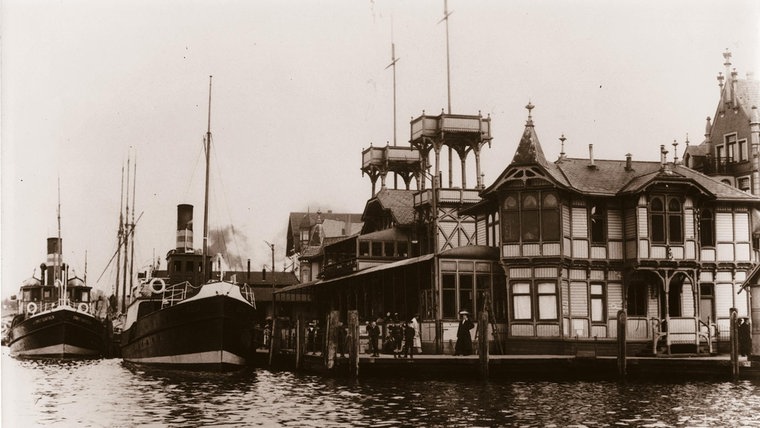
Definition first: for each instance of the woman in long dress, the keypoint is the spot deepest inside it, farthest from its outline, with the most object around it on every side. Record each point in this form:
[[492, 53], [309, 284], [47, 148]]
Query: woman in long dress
[[464, 340]]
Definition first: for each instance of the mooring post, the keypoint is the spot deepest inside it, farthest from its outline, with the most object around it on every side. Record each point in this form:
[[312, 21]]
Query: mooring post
[[300, 342], [332, 339], [354, 345], [274, 340], [622, 332], [483, 343], [439, 337], [734, 339]]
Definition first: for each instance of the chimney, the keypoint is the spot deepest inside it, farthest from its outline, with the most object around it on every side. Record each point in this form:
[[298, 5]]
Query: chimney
[[264, 273], [185, 227], [54, 251], [734, 102], [628, 163], [248, 273], [663, 155], [591, 156], [708, 128]]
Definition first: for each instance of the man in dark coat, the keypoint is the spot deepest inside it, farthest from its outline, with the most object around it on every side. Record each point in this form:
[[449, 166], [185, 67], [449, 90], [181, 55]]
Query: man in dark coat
[[408, 340], [464, 340], [373, 331], [745, 337]]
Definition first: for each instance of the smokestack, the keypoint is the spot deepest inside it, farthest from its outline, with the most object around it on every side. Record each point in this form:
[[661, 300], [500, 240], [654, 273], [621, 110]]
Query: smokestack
[[54, 251], [42, 273], [628, 163], [591, 156], [185, 227], [248, 273]]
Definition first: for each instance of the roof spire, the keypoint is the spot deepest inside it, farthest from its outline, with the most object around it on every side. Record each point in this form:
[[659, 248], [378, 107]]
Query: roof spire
[[530, 108], [562, 147]]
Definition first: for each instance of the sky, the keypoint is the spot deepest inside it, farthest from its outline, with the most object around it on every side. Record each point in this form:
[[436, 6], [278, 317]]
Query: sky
[[301, 88]]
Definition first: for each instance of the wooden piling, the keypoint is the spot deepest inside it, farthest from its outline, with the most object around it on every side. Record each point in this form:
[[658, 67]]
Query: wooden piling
[[331, 333], [354, 345], [439, 337], [300, 341], [483, 343], [274, 340], [622, 332], [734, 340]]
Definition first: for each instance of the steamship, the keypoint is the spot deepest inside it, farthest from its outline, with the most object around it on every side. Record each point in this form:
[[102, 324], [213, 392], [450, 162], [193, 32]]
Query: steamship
[[181, 319], [55, 316]]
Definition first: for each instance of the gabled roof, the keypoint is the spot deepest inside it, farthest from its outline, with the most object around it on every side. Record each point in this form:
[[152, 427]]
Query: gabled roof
[[399, 202], [604, 177]]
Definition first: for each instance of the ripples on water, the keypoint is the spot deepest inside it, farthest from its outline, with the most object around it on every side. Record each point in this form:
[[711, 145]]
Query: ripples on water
[[110, 394]]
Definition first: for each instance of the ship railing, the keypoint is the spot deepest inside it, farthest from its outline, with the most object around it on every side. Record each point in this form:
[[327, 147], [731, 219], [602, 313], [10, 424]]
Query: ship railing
[[176, 293]]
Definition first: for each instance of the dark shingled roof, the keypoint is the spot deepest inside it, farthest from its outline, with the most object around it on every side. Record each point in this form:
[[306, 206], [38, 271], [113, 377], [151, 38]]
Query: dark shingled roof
[[610, 177], [399, 202]]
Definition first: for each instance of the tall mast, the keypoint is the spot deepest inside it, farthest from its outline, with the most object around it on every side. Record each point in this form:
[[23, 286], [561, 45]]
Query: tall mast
[[205, 200], [57, 268], [126, 245], [132, 250], [121, 236], [446, 15]]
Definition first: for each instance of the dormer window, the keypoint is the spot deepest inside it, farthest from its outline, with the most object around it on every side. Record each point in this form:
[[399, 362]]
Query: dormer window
[[666, 220]]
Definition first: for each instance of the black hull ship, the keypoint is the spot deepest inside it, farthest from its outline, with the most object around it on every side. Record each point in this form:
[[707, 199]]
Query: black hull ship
[[212, 330], [192, 323], [55, 316]]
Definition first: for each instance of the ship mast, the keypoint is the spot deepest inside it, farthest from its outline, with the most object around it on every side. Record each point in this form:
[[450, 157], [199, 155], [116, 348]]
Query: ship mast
[[121, 236], [205, 200], [126, 246], [57, 268], [132, 250]]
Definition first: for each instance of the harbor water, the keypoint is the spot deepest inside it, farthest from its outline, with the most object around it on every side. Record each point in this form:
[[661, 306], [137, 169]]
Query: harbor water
[[109, 393]]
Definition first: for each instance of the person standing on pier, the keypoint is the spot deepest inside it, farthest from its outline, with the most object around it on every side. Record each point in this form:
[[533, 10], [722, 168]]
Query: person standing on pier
[[408, 340], [464, 340], [373, 331], [417, 338]]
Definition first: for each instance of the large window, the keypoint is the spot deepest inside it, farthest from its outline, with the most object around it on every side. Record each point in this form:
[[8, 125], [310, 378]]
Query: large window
[[449, 287], [521, 301], [530, 217], [466, 302], [666, 220], [730, 147], [637, 299], [547, 301], [707, 229]]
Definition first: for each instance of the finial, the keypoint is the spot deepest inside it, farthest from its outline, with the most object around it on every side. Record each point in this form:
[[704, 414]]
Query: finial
[[530, 108], [562, 147], [687, 139], [720, 79], [727, 56], [675, 152]]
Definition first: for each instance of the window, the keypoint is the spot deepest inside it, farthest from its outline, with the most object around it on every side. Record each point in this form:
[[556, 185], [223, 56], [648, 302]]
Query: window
[[364, 248], [499, 299], [598, 217], [511, 220], [377, 249], [449, 297], [597, 303], [177, 266], [666, 221], [707, 302], [466, 301], [402, 249], [730, 147], [707, 229], [743, 184], [547, 301], [521, 304], [388, 248], [743, 154], [531, 218], [188, 266]]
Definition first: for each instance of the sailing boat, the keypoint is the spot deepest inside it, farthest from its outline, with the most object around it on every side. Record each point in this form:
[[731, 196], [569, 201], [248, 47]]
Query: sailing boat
[[55, 316], [184, 320]]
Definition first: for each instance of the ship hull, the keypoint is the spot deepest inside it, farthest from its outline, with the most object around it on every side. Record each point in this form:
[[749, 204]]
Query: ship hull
[[213, 333], [61, 333]]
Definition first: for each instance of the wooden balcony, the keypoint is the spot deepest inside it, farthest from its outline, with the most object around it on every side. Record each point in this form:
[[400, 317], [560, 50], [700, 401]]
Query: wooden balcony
[[451, 127]]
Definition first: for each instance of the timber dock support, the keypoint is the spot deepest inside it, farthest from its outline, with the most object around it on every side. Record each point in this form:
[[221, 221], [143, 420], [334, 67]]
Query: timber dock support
[[354, 348], [483, 343], [622, 332]]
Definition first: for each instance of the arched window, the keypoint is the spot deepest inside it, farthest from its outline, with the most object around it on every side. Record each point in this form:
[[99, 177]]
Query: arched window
[[675, 220], [657, 219], [666, 221]]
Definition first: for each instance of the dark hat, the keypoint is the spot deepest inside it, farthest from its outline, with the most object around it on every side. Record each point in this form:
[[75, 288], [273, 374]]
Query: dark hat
[[464, 313]]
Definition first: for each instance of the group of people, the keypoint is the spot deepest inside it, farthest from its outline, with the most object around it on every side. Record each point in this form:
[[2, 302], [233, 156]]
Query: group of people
[[401, 338]]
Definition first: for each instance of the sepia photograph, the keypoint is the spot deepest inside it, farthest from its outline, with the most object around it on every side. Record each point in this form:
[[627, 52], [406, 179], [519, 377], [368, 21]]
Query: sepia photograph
[[349, 213]]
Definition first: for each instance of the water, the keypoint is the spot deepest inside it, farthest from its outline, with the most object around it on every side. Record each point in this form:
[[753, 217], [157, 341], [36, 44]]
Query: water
[[108, 393]]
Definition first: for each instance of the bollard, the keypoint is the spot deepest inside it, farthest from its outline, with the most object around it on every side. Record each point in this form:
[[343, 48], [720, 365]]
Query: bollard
[[734, 342]]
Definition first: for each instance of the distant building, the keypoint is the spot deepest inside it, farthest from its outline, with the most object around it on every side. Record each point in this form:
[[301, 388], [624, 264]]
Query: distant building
[[732, 136]]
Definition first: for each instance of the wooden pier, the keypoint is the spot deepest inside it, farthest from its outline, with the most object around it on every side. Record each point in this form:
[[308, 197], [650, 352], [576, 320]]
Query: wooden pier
[[350, 360]]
